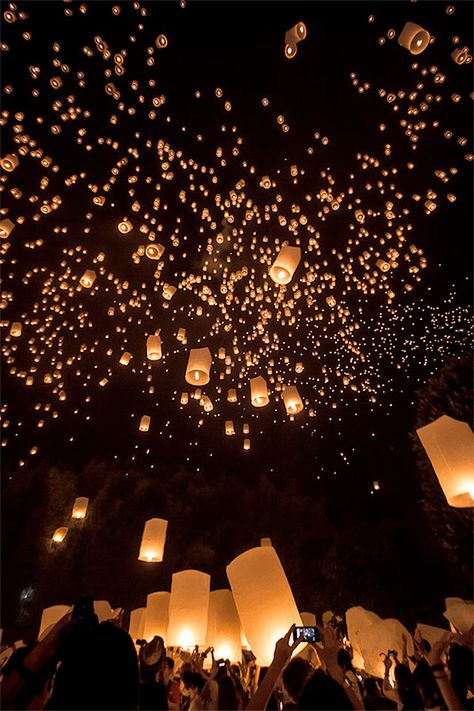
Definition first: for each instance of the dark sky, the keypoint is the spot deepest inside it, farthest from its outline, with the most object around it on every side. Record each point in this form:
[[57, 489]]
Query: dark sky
[[363, 359]]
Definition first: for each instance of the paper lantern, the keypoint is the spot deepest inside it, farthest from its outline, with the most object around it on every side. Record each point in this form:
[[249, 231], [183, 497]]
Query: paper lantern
[[125, 358], [266, 542], [460, 55], [246, 445], [206, 403], [168, 291], [88, 278], [136, 624], [414, 38], [79, 509], [258, 392], [292, 400], [221, 353], [285, 265], [245, 428], [154, 251], [153, 540], [125, 227], [331, 301], [181, 335], [223, 626], [290, 51], [145, 423], [460, 614], [155, 620], [382, 265], [9, 162], [357, 620], [232, 395], [229, 427], [296, 34], [49, 617], [6, 227], [308, 619], [432, 634], [103, 610], [449, 445], [16, 329], [199, 366], [60, 534], [264, 600], [379, 638], [188, 610], [153, 347]]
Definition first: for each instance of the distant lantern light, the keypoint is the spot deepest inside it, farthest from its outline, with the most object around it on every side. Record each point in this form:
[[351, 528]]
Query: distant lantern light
[[79, 509], [184, 398], [449, 445], [460, 55], [246, 445], [232, 395], [258, 392], [245, 428], [161, 41], [6, 226], [382, 265], [223, 627], [9, 162], [156, 616], [296, 34], [153, 347], [199, 366], [188, 609], [16, 329], [145, 423], [153, 541], [60, 534], [125, 358], [181, 335], [168, 291], [125, 227], [292, 400], [154, 251], [290, 51], [285, 265], [331, 301], [88, 278], [376, 486], [229, 427], [414, 38]]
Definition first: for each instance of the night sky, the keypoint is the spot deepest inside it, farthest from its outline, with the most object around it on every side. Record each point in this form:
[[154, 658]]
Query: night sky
[[367, 151]]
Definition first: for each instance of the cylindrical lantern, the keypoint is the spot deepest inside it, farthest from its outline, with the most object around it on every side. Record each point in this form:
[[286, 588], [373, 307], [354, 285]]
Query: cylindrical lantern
[[88, 278], [296, 34], [125, 227], [414, 38], [15, 329], [258, 392], [103, 610], [229, 427], [449, 445], [285, 265], [49, 617], [153, 347], [168, 291], [125, 358], [264, 600], [184, 398], [60, 534], [9, 162], [246, 445], [223, 626], [6, 227], [136, 624], [382, 265], [221, 353], [199, 366], [245, 428], [153, 540], [79, 509], [232, 395], [331, 301], [188, 611], [181, 335], [154, 251], [206, 403], [145, 423], [292, 400], [156, 615]]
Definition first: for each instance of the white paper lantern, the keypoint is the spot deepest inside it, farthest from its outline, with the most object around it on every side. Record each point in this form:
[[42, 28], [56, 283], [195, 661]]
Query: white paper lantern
[[378, 638], [414, 38], [199, 366], [153, 540], [144, 423], [16, 329], [449, 445], [432, 634], [264, 600], [153, 347], [292, 400], [9, 162], [60, 534], [258, 392], [357, 620], [155, 621], [229, 427], [88, 278], [181, 335], [223, 626], [125, 358], [188, 611], [154, 251], [460, 614], [49, 617], [6, 226], [232, 395], [285, 265], [79, 509], [103, 610], [136, 624], [246, 445], [168, 291]]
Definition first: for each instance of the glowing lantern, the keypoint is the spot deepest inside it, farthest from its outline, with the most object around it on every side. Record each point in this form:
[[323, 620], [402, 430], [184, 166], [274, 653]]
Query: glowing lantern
[[232, 395], [285, 265], [6, 227], [49, 617], [382, 265], [245, 428], [223, 626], [125, 358], [221, 353], [206, 403], [414, 38], [258, 392], [229, 427], [154, 251], [188, 610], [9, 162], [145, 423], [60, 534], [432, 634], [331, 301], [449, 445], [88, 278], [103, 610], [378, 638], [292, 400], [359, 619], [290, 51], [153, 540], [168, 291], [79, 509], [266, 542], [153, 347], [16, 329], [156, 615], [136, 624], [125, 227], [308, 619], [199, 366], [376, 486], [460, 55], [296, 34], [181, 335], [460, 614], [184, 398], [264, 600]]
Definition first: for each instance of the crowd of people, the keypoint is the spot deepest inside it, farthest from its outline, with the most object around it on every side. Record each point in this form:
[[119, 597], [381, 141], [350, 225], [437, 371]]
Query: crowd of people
[[84, 664]]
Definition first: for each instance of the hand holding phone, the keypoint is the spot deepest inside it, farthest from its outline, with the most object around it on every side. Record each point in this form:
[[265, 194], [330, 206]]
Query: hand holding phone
[[306, 634]]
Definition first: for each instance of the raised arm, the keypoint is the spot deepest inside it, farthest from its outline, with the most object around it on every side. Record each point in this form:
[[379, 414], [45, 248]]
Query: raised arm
[[283, 651]]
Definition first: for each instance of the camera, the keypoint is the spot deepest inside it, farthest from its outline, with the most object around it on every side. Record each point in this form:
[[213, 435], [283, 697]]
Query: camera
[[306, 634]]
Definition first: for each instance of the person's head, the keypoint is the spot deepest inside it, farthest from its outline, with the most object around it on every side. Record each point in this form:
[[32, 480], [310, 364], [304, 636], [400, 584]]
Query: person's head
[[167, 666], [294, 677], [371, 688], [322, 693], [427, 685], [344, 660], [460, 664], [407, 688], [227, 697], [37, 691], [193, 682], [151, 656]]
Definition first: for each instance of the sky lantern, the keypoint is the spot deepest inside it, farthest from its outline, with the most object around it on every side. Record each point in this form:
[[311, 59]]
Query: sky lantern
[[79, 509], [49, 617], [168, 291], [188, 610], [6, 226], [259, 392], [60, 534], [292, 400], [263, 598], [229, 427], [181, 335], [460, 614], [144, 423], [16, 329], [292, 37], [154, 251], [358, 619], [125, 227], [153, 347], [449, 445], [232, 395], [136, 624], [378, 638], [88, 278], [199, 366], [153, 540], [285, 264], [9, 162], [414, 38], [223, 626], [125, 358], [155, 621]]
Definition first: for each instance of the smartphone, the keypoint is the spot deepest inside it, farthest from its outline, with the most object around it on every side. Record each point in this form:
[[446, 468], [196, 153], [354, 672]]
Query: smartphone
[[83, 608], [392, 653], [306, 634], [221, 664]]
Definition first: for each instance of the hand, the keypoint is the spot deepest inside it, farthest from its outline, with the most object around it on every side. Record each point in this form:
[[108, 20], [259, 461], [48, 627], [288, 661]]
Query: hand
[[466, 639], [438, 648], [284, 648], [328, 654], [387, 663]]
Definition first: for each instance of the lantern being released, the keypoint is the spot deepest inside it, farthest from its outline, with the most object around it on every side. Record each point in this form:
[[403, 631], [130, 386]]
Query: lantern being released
[[136, 625], [199, 366], [223, 626], [79, 510], [49, 617], [153, 347], [292, 400], [264, 600], [449, 445], [156, 615], [60, 534], [414, 38], [88, 278], [188, 611], [259, 392], [285, 265], [153, 540]]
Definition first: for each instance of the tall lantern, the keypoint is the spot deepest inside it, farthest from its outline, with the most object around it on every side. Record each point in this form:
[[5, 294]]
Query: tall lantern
[[414, 38], [223, 626], [258, 392], [156, 615], [358, 620], [285, 265], [199, 366], [153, 347], [229, 427], [188, 611], [264, 600], [136, 624], [449, 445], [153, 540], [16, 329], [292, 400], [88, 278], [79, 509], [49, 617]]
